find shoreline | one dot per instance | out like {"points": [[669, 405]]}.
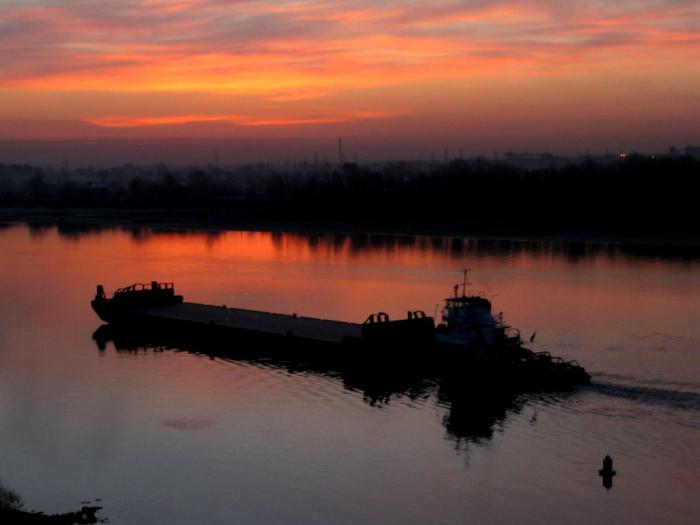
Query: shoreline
{"points": [[198, 220]]}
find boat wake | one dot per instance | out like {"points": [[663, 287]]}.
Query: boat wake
{"points": [[679, 396]]}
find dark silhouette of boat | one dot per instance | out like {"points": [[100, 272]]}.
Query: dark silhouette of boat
{"points": [[469, 338], [472, 334]]}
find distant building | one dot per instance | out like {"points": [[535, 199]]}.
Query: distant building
{"points": [[690, 151], [533, 160]]}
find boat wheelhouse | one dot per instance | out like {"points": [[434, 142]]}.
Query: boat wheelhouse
{"points": [[469, 321]]}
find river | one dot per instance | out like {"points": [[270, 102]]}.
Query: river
{"points": [[159, 435]]}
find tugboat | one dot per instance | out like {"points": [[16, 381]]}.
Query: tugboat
{"points": [[471, 332], [469, 324]]}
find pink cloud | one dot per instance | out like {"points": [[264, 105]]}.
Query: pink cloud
{"points": [[241, 120], [68, 39], [165, 120], [270, 64]]}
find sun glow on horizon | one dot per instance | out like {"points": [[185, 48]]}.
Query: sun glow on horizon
{"points": [[95, 66]]}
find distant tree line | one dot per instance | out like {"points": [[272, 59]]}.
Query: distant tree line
{"points": [[638, 194]]}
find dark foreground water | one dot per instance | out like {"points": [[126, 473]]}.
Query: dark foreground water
{"points": [[182, 437]]}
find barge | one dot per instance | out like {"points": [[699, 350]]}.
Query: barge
{"points": [[469, 337]]}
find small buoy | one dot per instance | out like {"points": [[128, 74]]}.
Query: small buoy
{"points": [[607, 472], [607, 469]]}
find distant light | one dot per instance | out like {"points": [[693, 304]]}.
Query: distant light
{"points": [[623, 155]]}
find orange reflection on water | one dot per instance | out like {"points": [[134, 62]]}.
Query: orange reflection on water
{"points": [[190, 427], [349, 276]]}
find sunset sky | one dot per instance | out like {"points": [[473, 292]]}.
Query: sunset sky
{"points": [[482, 75]]}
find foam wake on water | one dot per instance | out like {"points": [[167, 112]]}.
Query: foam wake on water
{"points": [[679, 396]]}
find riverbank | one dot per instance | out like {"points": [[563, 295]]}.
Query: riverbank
{"points": [[21, 517], [12, 511]]}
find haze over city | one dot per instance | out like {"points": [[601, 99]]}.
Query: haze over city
{"points": [[396, 79]]}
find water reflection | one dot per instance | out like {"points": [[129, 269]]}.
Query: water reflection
{"points": [[401, 245], [474, 406], [177, 438]]}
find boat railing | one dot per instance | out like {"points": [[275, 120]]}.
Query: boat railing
{"points": [[542, 356], [558, 361], [141, 287]]}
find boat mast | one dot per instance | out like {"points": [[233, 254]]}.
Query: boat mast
{"points": [[465, 282]]}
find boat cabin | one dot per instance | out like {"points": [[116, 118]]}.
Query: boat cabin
{"points": [[140, 294], [468, 320]]}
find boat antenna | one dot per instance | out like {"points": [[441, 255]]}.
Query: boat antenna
{"points": [[465, 282]]}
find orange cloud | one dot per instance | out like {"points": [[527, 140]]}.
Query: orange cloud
{"points": [[136, 122], [286, 50], [276, 63], [241, 120]]}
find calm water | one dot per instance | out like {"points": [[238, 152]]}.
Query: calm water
{"points": [[180, 437]]}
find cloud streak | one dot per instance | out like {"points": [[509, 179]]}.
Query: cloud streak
{"points": [[255, 46], [292, 60], [238, 120]]}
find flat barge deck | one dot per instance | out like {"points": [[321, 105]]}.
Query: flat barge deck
{"points": [[156, 304], [310, 328]]}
